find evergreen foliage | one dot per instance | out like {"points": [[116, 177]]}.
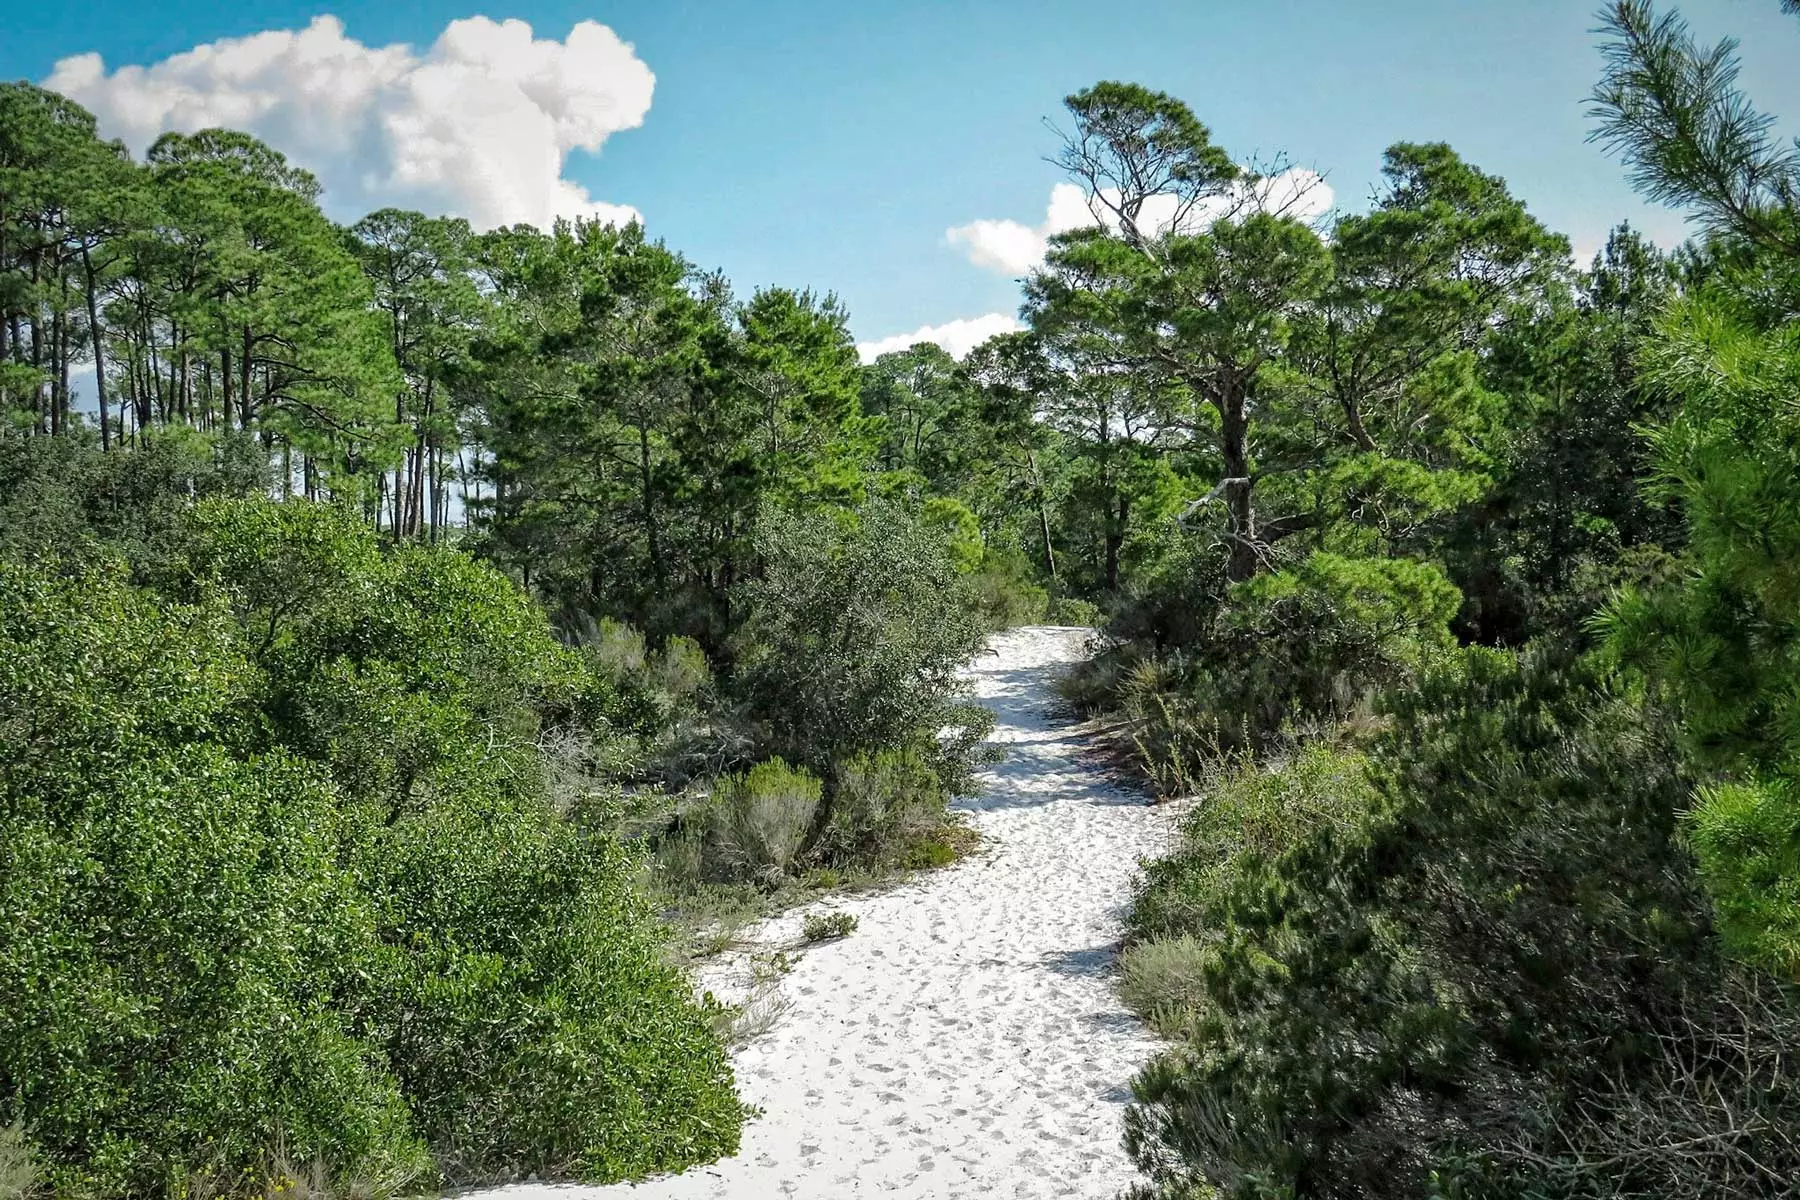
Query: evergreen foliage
{"points": [[416, 623]]}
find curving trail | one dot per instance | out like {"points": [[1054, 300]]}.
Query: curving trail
{"points": [[965, 1041]]}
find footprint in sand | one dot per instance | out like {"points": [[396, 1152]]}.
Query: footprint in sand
{"points": [[978, 995]]}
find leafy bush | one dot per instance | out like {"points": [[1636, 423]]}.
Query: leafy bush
{"points": [[824, 927], [1493, 985], [63, 497], [853, 643], [1004, 591], [854, 635], [1069, 611], [164, 900], [277, 876], [1006, 601], [1282, 654], [945, 845]]}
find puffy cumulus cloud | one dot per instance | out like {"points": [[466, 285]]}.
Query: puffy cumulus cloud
{"points": [[958, 337], [1014, 248], [480, 124]]}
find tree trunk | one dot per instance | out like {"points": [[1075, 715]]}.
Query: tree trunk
{"points": [[59, 371], [244, 407], [1242, 560], [1043, 507], [99, 344], [650, 539], [225, 387]]}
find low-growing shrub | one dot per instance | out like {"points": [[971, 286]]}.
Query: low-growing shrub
{"points": [[1284, 655], [886, 804], [939, 850], [1499, 981], [1164, 981], [1070, 611], [1005, 595], [1250, 814], [18, 1168], [824, 927], [854, 637], [756, 823]]}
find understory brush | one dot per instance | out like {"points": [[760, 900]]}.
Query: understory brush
{"points": [[1475, 962], [1267, 663], [824, 754], [847, 675]]}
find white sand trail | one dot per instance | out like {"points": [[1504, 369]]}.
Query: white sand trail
{"points": [[965, 1041]]}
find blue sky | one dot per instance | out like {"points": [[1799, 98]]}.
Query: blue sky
{"points": [[832, 145]]}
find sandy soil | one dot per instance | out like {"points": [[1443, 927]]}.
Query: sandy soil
{"points": [[965, 1041]]}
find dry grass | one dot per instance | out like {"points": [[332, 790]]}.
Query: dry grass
{"points": [[759, 1013]]}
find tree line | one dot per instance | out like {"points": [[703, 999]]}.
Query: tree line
{"points": [[1451, 575]]}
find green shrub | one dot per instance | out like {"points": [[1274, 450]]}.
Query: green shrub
{"points": [[825, 927], [531, 1023], [1005, 594], [942, 848], [279, 882], [1281, 655], [853, 640], [1164, 981], [1252, 814], [165, 900], [886, 804], [757, 823], [1498, 983], [1069, 611]]}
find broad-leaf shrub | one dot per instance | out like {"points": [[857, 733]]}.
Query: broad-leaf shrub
{"points": [[852, 642], [278, 877]]}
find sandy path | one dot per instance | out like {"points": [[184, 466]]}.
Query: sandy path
{"points": [[965, 1041]]}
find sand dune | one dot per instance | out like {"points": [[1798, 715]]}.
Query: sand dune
{"points": [[965, 1041]]}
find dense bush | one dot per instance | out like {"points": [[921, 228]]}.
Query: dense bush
{"points": [[279, 828], [1282, 654], [886, 805], [1006, 596], [852, 644], [1485, 987], [65, 498], [1250, 816], [754, 825], [1724, 636]]}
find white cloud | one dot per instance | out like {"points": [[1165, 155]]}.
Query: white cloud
{"points": [[958, 337], [1017, 249], [480, 124], [1014, 248]]}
